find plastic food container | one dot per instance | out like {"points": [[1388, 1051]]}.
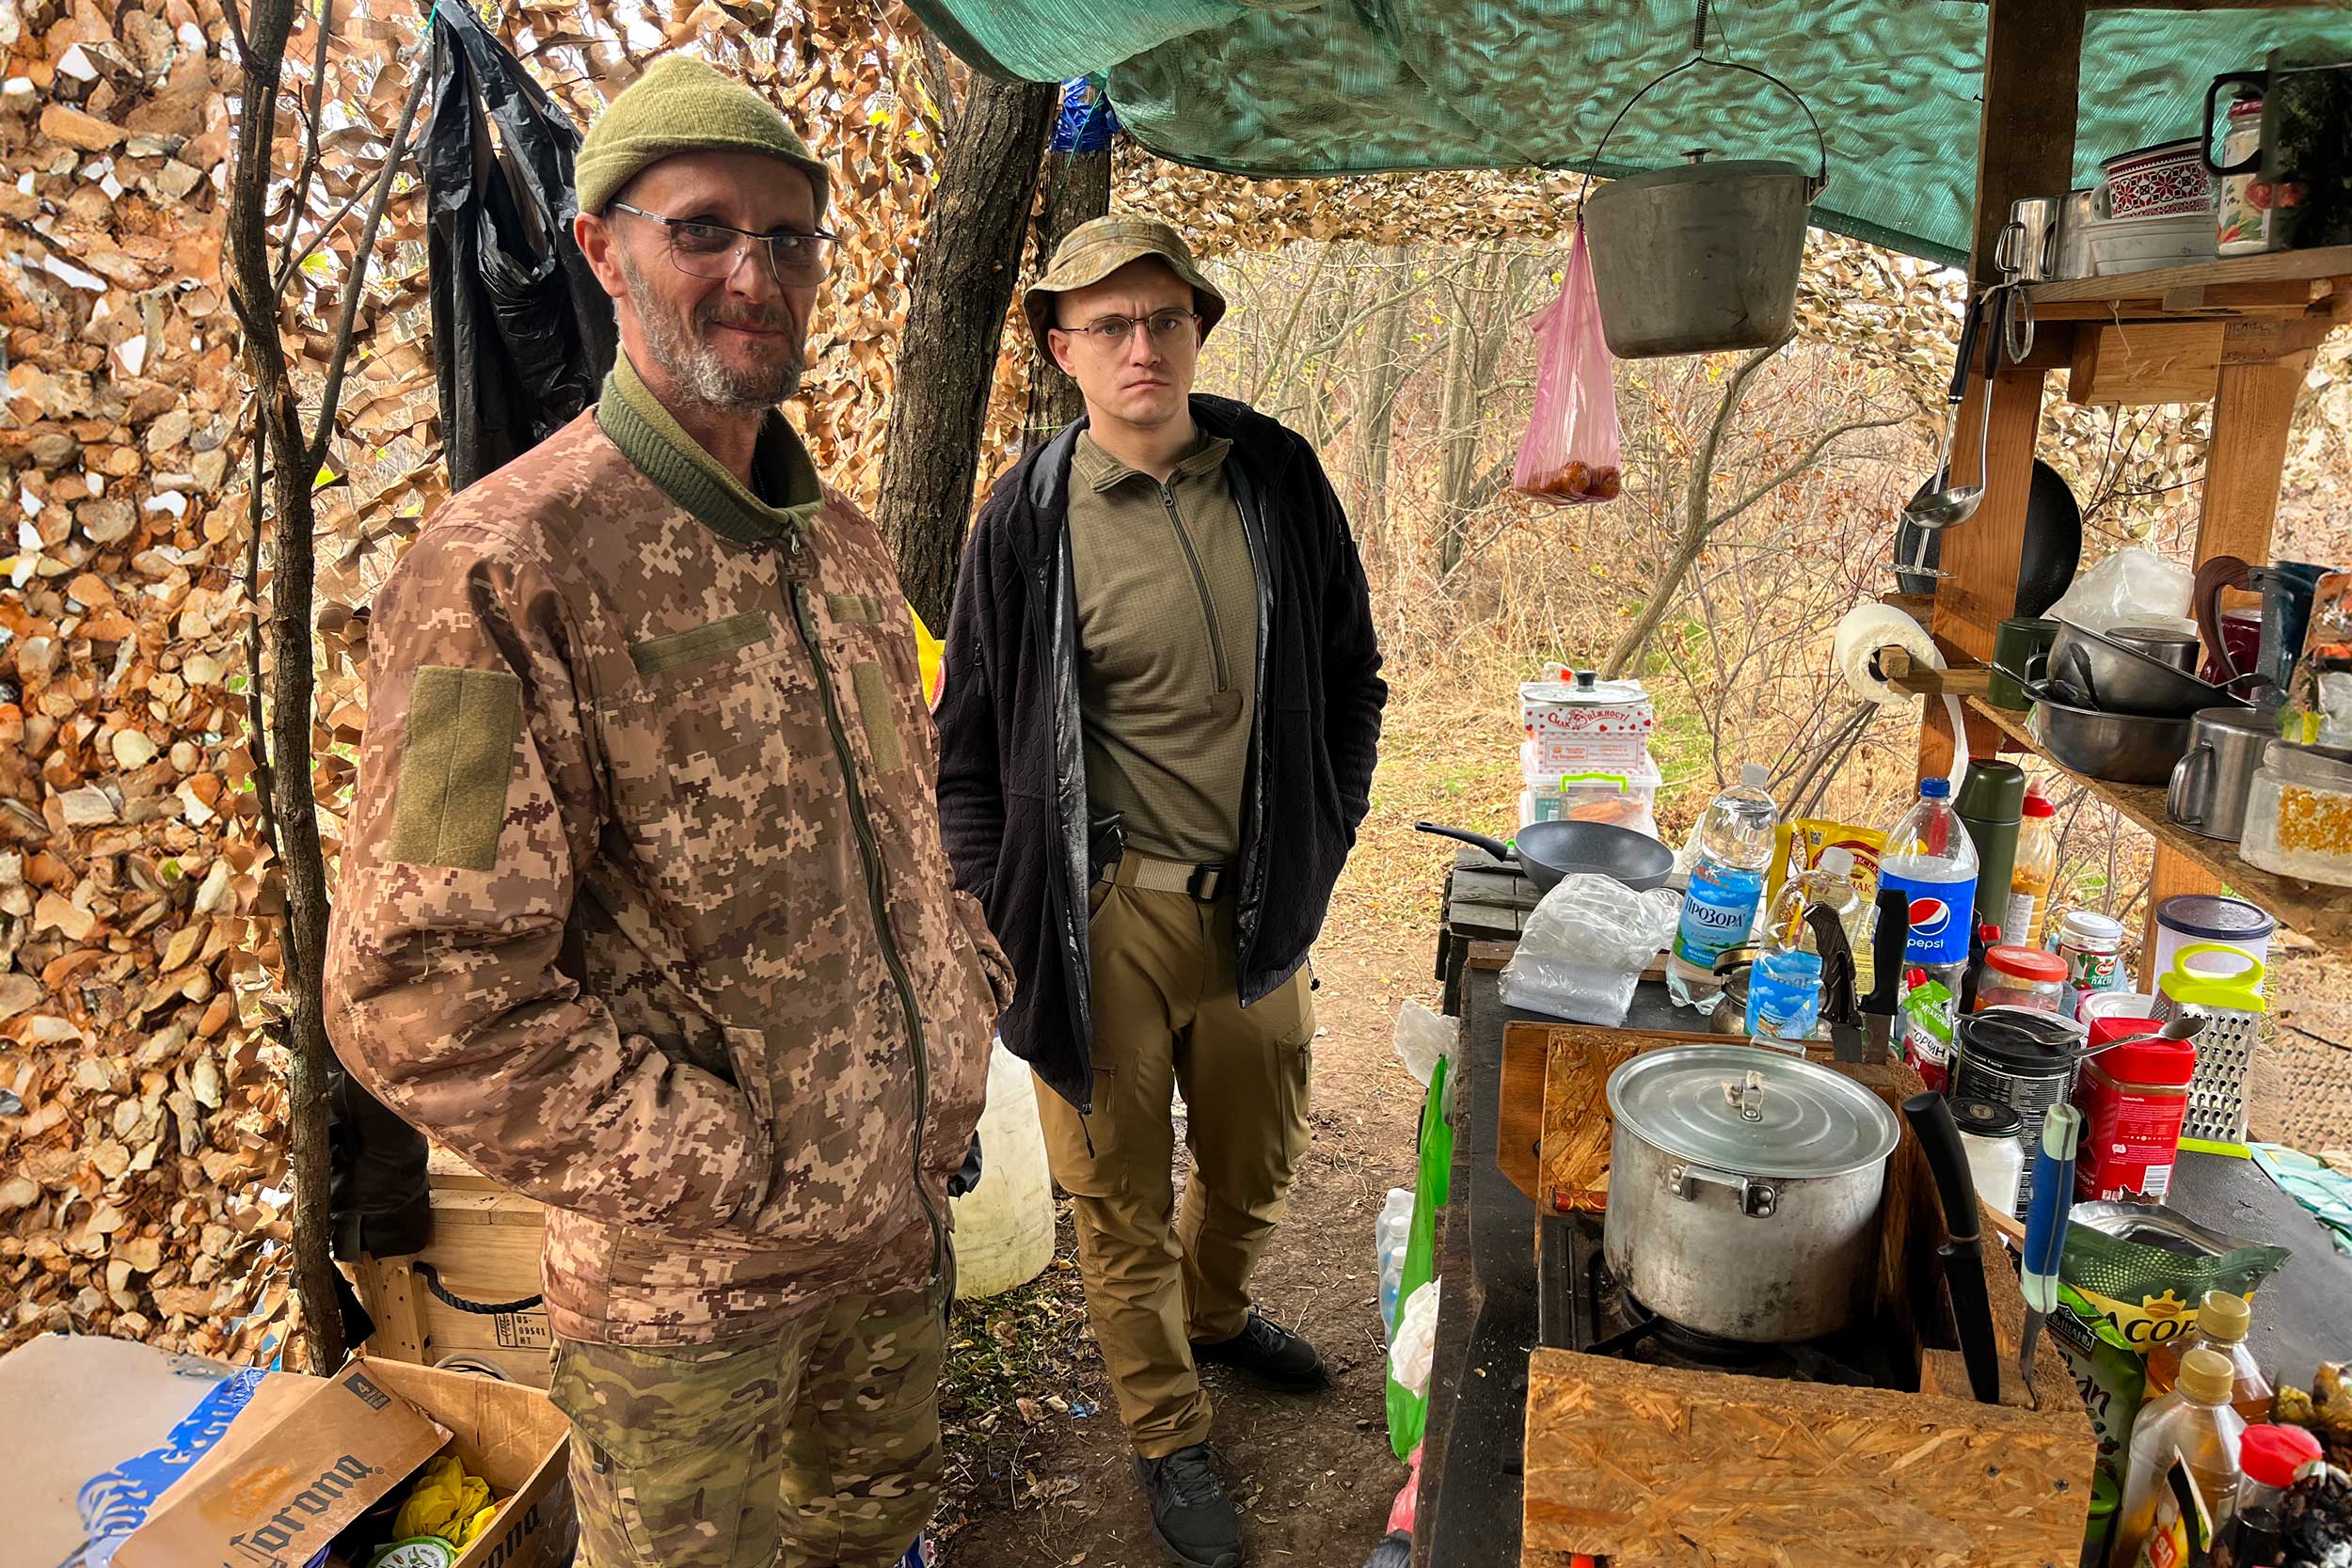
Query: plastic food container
{"points": [[1586, 725], [2133, 1099], [2021, 976], [2298, 817], [1626, 796], [2213, 919]]}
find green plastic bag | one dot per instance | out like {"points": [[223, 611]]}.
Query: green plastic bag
{"points": [[1408, 1412]]}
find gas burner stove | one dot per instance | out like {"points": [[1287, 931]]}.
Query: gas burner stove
{"points": [[1582, 1307]]}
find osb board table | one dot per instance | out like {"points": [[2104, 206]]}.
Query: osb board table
{"points": [[1644, 1464]]}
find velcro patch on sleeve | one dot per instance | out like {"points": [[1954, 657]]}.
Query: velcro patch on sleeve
{"points": [[714, 641], [879, 709], [457, 757]]}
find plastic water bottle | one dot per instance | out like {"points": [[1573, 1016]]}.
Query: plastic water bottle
{"points": [[1784, 986], [1929, 857], [1731, 846], [1393, 1233]]}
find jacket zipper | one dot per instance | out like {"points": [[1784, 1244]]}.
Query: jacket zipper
{"points": [[1200, 585], [869, 852]]}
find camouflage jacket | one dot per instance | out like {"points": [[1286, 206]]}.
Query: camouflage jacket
{"points": [[643, 906]]}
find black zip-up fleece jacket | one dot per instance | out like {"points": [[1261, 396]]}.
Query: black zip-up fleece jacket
{"points": [[1012, 790]]}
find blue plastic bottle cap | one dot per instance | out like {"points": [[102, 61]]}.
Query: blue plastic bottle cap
{"points": [[1935, 789]]}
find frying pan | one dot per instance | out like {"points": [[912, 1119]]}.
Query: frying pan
{"points": [[1547, 851], [2054, 543]]}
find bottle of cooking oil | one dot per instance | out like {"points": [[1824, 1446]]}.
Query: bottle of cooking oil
{"points": [[2194, 1422], [2223, 1321]]}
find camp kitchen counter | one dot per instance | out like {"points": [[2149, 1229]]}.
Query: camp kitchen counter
{"points": [[1473, 1458]]}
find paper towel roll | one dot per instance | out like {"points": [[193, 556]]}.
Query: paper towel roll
{"points": [[1868, 627]]}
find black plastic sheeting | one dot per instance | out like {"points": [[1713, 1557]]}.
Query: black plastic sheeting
{"points": [[522, 335], [522, 332]]}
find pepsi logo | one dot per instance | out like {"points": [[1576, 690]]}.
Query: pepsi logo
{"points": [[1930, 917]]}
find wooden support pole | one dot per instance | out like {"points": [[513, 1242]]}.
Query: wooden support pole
{"points": [[2254, 406]]}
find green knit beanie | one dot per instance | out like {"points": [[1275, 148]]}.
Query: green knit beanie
{"points": [[683, 106]]}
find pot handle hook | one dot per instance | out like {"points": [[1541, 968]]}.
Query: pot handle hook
{"points": [[1757, 1199]]}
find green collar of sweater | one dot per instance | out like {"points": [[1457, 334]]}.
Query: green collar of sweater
{"points": [[652, 439]]}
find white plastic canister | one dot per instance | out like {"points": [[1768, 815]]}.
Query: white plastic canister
{"points": [[2198, 918], [1005, 1226]]}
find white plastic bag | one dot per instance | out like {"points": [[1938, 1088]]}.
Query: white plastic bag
{"points": [[1585, 946], [2133, 585], [1423, 1037], [1416, 1340]]}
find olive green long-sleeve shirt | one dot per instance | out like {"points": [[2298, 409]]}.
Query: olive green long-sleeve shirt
{"points": [[1167, 628]]}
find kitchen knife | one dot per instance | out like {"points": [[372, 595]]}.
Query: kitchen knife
{"points": [[1839, 1009], [2046, 1219], [1889, 938], [1963, 1254]]}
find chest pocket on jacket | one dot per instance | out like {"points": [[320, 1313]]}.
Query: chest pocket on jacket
{"points": [[703, 755], [869, 643]]}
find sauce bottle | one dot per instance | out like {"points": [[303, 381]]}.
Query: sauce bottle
{"points": [[2035, 871], [2223, 1321], [2194, 1422]]}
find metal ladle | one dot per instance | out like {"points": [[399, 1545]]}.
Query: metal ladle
{"points": [[1954, 504]]}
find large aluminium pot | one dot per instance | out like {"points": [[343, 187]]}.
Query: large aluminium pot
{"points": [[1701, 257], [1744, 1188]]}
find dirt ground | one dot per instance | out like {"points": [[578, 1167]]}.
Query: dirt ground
{"points": [[1038, 1462]]}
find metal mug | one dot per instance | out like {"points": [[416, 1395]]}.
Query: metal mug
{"points": [[2070, 247], [2026, 247], [2212, 780]]}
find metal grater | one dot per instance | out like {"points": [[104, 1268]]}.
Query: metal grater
{"points": [[2225, 1053]]}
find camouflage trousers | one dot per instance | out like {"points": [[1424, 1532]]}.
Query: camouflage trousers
{"points": [[811, 1449]]}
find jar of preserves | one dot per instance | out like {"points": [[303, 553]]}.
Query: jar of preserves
{"points": [[2016, 976]]}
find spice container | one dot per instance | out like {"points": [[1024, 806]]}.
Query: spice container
{"points": [[1991, 1135], [2036, 870], [2021, 976], [2091, 945], [2134, 1099], [2021, 1059], [2298, 817], [2269, 1457]]}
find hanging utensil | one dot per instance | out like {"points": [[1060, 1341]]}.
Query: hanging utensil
{"points": [[2046, 1221], [1948, 504], [1931, 1118]]}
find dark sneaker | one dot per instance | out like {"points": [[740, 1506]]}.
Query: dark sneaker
{"points": [[1267, 1352], [1192, 1518]]}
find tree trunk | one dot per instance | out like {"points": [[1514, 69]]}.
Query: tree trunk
{"points": [[293, 809], [1381, 379], [1077, 188], [963, 281]]}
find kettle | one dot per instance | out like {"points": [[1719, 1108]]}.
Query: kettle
{"points": [[2305, 162]]}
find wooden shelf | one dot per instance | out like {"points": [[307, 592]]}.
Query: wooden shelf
{"points": [[2321, 913], [2279, 282]]}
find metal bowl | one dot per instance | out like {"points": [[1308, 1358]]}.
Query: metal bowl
{"points": [[2120, 748], [2123, 680]]}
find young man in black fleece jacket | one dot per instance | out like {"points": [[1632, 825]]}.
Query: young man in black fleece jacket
{"points": [[1161, 713]]}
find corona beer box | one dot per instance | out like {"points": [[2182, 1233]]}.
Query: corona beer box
{"points": [[299, 1465]]}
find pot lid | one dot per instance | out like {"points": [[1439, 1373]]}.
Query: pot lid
{"points": [[1752, 1112], [1585, 691]]}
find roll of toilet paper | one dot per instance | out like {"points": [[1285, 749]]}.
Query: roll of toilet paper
{"points": [[1868, 627]]}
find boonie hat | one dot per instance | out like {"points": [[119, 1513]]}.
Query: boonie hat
{"points": [[1099, 247]]}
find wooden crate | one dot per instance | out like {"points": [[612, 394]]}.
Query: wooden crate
{"points": [[1642, 1466], [485, 1248]]}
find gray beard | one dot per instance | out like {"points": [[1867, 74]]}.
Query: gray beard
{"points": [[695, 368]]}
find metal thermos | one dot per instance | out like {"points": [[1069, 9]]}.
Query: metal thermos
{"points": [[1992, 803]]}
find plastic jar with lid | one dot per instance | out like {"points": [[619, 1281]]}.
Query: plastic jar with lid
{"points": [[1992, 1135], [2298, 815], [2016, 976], [2091, 945], [2133, 1099]]}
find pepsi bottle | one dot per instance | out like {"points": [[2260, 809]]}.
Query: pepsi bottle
{"points": [[1929, 858]]}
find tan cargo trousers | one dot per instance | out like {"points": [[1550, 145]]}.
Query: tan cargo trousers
{"points": [[1167, 1015]]}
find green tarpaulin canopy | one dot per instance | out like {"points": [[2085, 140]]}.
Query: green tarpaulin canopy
{"points": [[1292, 87]]}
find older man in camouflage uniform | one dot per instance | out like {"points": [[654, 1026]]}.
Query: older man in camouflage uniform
{"points": [[643, 907]]}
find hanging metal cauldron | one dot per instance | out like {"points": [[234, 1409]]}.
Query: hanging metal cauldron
{"points": [[1701, 257]]}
